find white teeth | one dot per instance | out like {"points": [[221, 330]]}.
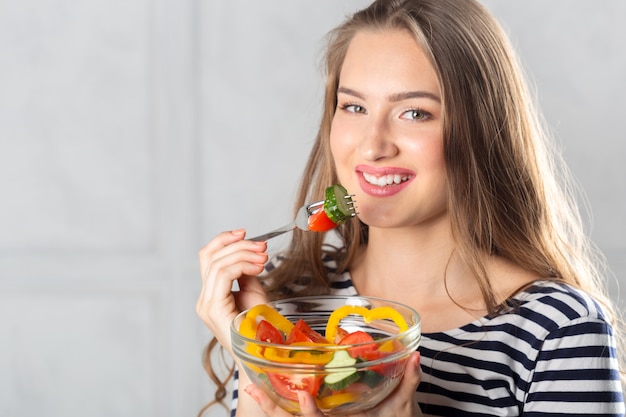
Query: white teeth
{"points": [[385, 179]]}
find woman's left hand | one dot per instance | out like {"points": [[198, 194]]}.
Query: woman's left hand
{"points": [[400, 403]]}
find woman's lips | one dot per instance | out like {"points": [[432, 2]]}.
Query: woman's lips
{"points": [[383, 182]]}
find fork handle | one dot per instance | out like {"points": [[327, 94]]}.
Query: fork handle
{"points": [[274, 233]]}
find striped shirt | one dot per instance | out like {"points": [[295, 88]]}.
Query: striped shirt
{"points": [[551, 354]]}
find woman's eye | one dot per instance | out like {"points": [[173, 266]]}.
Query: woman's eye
{"points": [[353, 108], [415, 114]]}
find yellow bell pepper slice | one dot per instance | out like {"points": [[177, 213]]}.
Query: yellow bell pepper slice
{"points": [[378, 313], [312, 357], [389, 346], [270, 314], [335, 400], [247, 328]]}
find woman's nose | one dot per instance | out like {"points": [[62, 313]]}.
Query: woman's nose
{"points": [[377, 142]]}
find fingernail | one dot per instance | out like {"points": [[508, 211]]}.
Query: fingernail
{"points": [[302, 399], [250, 391], [238, 232]]}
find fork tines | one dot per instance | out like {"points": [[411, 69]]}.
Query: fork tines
{"points": [[351, 205]]}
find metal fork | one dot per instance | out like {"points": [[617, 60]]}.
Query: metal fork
{"points": [[301, 221]]}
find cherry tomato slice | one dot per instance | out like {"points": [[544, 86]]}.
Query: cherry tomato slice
{"points": [[266, 332], [319, 222], [341, 333], [365, 351], [302, 332], [287, 386]]}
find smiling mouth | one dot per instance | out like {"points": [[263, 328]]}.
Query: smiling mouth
{"points": [[385, 180]]}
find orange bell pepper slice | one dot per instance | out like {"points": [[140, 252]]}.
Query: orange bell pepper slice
{"points": [[378, 313]]}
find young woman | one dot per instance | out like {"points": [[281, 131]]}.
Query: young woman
{"points": [[463, 215]]}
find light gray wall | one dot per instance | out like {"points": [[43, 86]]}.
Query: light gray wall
{"points": [[133, 131], [574, 52]]}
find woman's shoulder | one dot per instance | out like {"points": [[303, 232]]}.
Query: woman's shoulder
{"points": [[544, 317], [554, 305]]}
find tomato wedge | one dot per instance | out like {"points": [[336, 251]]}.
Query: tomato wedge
{"points": [[266, 332], [341, 333], [319, 222], [302, 332], [364, 351], [288, 385]]}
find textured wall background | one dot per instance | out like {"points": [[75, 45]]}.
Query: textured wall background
{"points": [[133, 131]]}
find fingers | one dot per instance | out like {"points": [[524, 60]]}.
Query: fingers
{"points": [[268, 406], [307, 403], [308, 406], [220, 241], [225, 259], [231, 264], [408, 386], [227, 244], [228, 257], [250, 293], [412, 374]]}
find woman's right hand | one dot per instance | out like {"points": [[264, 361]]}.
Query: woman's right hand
{"points": [[226, 259]]}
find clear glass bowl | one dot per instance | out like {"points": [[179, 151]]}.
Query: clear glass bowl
{"points": [[280, 369]]}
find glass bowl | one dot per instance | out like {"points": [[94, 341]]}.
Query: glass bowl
{"points": [[345, 378]]}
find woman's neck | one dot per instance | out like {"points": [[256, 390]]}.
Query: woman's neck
{"points": [[403, 258], [419, 268], [423, 269]]}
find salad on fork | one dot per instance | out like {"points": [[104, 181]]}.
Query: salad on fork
{"points": [[320, 216]]}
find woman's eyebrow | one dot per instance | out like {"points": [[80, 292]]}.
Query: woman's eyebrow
{"points": [[350, 92], [414, 94], [394, 97]]}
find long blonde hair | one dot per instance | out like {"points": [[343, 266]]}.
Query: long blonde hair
{"points": [[509, 192]]}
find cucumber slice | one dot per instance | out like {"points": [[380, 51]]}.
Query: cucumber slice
{"points": [[371, 378], [336, 204], [341, 380], [340, 359], [346, 373]]}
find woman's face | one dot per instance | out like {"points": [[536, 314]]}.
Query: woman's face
{"points": [[386, 136]]}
